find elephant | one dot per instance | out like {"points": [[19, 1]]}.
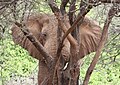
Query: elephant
{"points": [[44, 28]]}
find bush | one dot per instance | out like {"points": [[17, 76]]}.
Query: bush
{"points": [[14, 60]]}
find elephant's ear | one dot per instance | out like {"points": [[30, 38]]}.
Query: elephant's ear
{"points": [[90, 35], [19, 38]]}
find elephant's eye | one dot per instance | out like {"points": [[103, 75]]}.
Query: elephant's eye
{"points": [[44, 34]]}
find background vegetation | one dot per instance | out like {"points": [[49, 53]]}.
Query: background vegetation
{"points": [[15, 61]]}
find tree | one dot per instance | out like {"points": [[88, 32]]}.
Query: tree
{"points": [[74, 19]]}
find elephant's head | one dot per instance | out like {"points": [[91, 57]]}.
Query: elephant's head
{"points": [[47, 25], [50, 33], [90, 35], [34, 24]]}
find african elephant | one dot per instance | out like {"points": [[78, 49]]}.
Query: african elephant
{"points": [[47, 26]]}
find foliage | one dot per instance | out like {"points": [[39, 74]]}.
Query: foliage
{"points": [[104, 74], [14, 60]]}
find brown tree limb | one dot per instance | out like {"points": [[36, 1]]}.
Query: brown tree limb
{"points": [[59, 16], [71, 13], [60, 63], [53, 6], [37, 44], [79, 19], [63, 5], [62, 9], [74, 65], [111, 14]]}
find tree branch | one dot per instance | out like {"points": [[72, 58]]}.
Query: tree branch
{"points": [[71, 13], [53, 6], [37, 44], [111, 14], [63, 5], [59, 16], [79, 19]]}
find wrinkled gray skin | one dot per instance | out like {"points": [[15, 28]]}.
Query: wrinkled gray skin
{"points": [[47, 25]]}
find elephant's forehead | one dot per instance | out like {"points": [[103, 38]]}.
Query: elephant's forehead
{"points": [[50, 27]]}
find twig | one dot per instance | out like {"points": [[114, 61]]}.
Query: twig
{"points": [[112, 39]]}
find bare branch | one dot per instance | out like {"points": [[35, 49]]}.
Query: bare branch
{"points": [[71, 13], [59, 16], [79, 20], [6, 3], [111, 14], [63, 5], [53, 6], [38, 45]]}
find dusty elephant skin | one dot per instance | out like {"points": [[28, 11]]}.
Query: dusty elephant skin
{"points": [[44, 28]]}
